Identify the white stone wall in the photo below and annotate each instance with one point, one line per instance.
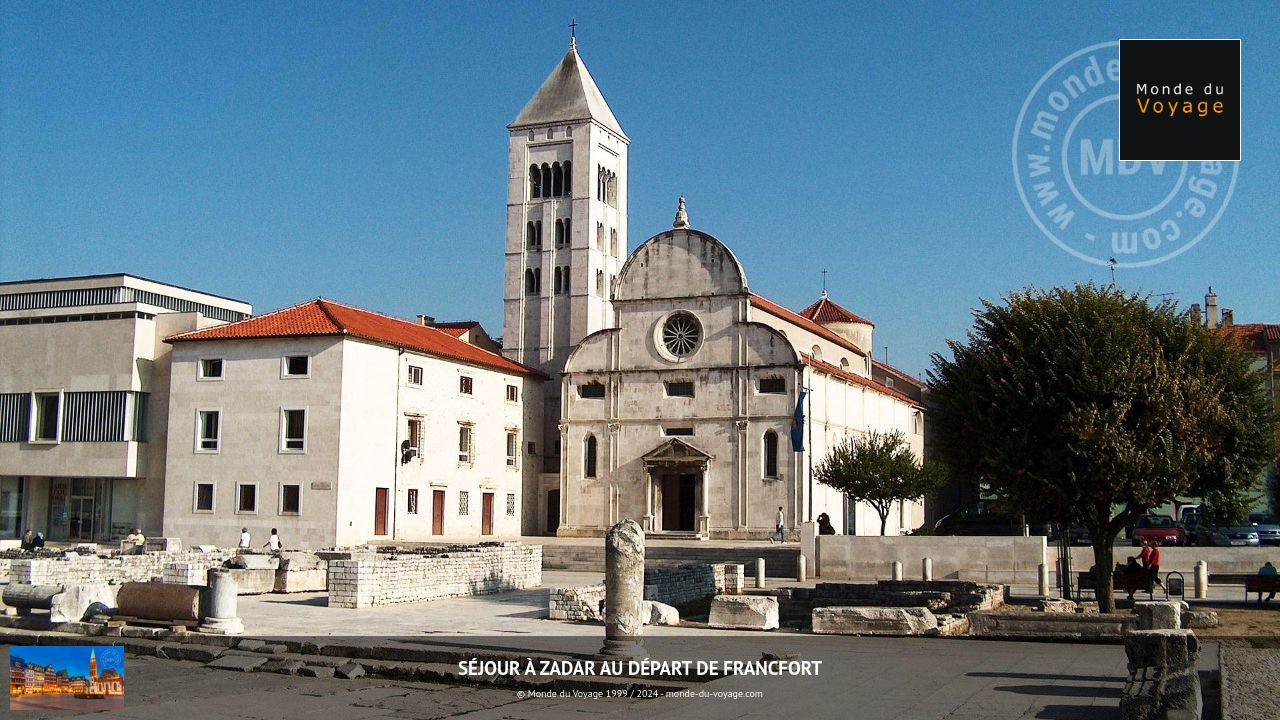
(387, 580)
(82, 569)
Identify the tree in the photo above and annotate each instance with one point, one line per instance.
(878, 469)
(1088, 406)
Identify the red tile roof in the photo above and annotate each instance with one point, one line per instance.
(901, 374)
(1253, 336)
(326, 317)
(456, 329)
(826, 367)
(825, 311)
(790, 316)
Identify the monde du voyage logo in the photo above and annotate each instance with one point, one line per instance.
(1107, 198)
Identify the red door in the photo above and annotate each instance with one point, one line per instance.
(437, 512)
(486, 514)
(380, 496)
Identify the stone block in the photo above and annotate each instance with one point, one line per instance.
(237, 662)
(874, 621)
(256, 581)
(299, 580)
(1199, 619)
(1169, 650)
(657, 613)
(316, 671)
(255, 562)
(744, 612)
(283, 666)
(349, 671)
(1054, 606)
(1158, 615)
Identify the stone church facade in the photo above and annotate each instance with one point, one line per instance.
(676, 388)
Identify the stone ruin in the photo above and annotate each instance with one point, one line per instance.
(897, 607)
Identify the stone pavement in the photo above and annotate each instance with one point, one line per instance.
(862, 678)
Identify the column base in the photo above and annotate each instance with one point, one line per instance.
(631, 649)
(222, 626)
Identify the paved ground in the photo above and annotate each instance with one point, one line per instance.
(863, 678)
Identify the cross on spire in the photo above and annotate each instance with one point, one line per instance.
(824, 282)
(573, 32)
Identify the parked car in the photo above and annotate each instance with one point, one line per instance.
(1268, 527)
(985, 518)
(1207, 534)
(1160, 529)
(1078, 535)
(1191, 521)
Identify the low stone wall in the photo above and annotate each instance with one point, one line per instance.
(936, 595)
(1005, 560)
(387, 579)
(84, 569)
(581, 603)
(1105, 627)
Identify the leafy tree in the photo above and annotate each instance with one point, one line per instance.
(1089, 406)
(878, 469)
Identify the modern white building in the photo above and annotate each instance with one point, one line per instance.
(84, 399)
(337, 426)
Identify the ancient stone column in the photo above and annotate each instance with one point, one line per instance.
(801, 575)
(624, 590)
(759, 572)
(1202, 580)
(926, 569)
(1042, 580)
(897, 570)
(222, 604)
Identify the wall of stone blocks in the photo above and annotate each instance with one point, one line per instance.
(581, 603)
(673, 586)
(389, 579)
(81, 569)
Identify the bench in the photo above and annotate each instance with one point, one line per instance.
(1120, 582)
(1261, 584)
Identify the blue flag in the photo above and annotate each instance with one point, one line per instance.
(797, 424)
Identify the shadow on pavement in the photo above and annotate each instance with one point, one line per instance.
(1046, 676)
(1061, 690)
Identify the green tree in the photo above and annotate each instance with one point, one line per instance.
(1089, 406)
(878, 469)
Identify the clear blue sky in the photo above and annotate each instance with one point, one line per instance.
(276, 152)
(72, 658)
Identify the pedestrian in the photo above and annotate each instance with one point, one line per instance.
(137, 542)
(1267, 569)
(246, 542)
(38, 542)
(1150, 557)
(273, 542)
(780, 531)
(29, 540)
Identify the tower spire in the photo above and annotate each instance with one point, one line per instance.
(682, 217)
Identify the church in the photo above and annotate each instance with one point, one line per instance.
(678, 397)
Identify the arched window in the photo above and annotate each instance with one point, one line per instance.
(535, 182)
(568, 239)
(568, 177)
(557, 282)
(557, 180)
(566, 279)
(532, 233)
(600, 236)
(546, 180)
(844, 363)
(559, 233)
(528, 282)
(613, 242)
(537, 226)
(816, 352)
(589, 457)
(770, 454)
(537, 281)
(600, 283)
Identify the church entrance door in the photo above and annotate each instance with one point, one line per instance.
(679, 502)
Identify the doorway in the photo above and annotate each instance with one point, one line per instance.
(486, 514)
(679, 502)
(380, 496)
(437, 512)
(553, 511)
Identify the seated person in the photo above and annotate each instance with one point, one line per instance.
(28, 541)
(1131, 570)
(1267, 570)
(135, 542)
(824, 525)
(39, 540)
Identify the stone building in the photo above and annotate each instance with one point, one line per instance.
(84, 400)
(682, 414)
(338, 425)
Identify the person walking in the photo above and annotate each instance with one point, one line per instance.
(780, 530)
(273, 542)
(1150, 558)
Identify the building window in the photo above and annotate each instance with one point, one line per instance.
(772, 385)
(464, 502)
(511, 504)
(613, 242)
(293, 431)
(566, 279)
(770, 454)
(411, 447)
(246, 497)
(513, 448)
(208, 430)
(592, 390)
(677, 431)
(210, 369)
(290, 499)
(415, 375)
(589, 457)
(600, 283)
(533, 448)
(465, 443)
(600, 237)
(465, 384)
(296, 366)
(888, 382)
(917, 423)
(681, 334)
(412, 507)
(204, 498)
(679, 388)
(556, 286)
(513, 393)
(46, 416)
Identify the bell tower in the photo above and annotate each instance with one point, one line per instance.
(566, 224)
